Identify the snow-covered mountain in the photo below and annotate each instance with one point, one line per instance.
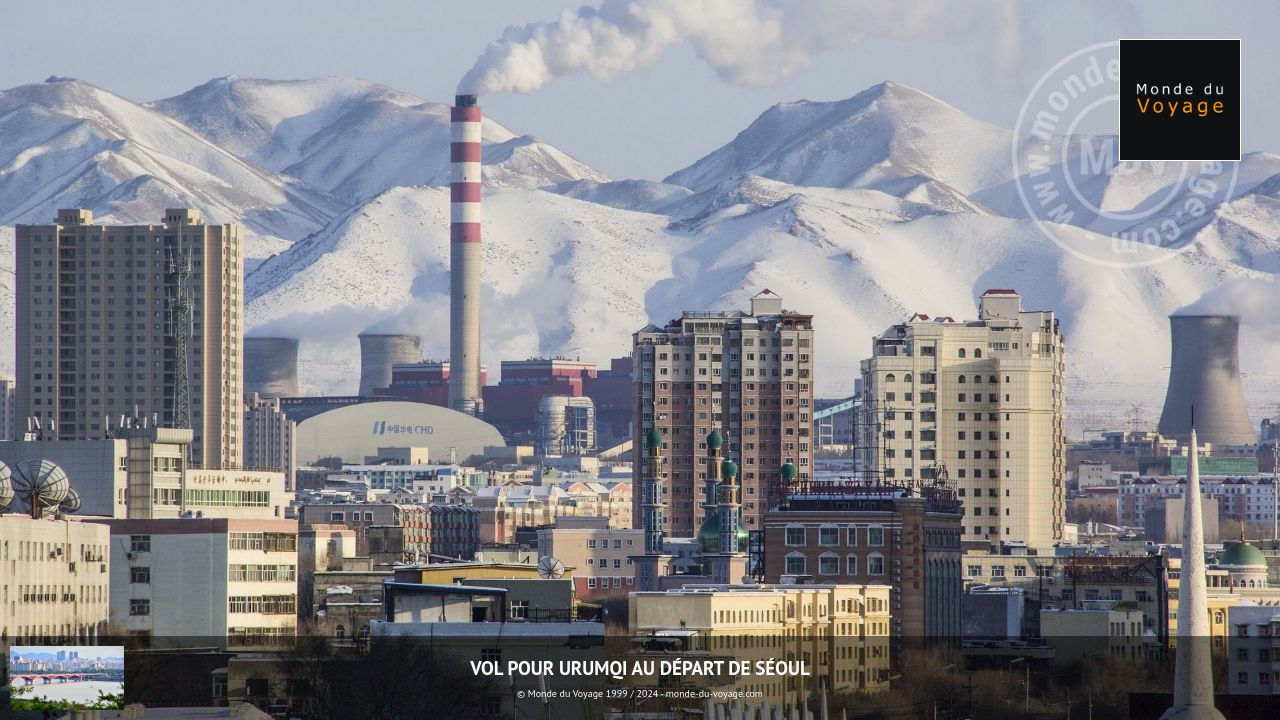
(356, 138)
(860, 211)
(66, 143)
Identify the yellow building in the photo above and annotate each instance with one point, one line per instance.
(839, 632)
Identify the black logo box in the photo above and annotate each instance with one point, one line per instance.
(1185, 65)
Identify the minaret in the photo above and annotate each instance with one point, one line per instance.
(715, 442)
(728, 507)
(653, 564)
(1193, 672)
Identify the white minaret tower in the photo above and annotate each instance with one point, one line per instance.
(1193, 672)
(464, 258)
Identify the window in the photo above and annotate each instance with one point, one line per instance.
(794, 564)
(875, 536)
(851, 564)
(1019, 571)
(139, 543)
(139, 574)
(1242, 631)
(591, 583)
(853, 536)
(140, 606)
(875, 564)
(519, 610)
(828, 535)
(975, 571)
(795, 536)
(829, 564)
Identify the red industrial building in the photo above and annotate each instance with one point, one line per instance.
(512, 404)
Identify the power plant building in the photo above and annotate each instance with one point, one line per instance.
(1204, 381)
(984, 400)
(747, 374)
(98, 315)
(271, 366)
(354, 432)
(379, 353)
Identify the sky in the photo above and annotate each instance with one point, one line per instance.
(645, 124)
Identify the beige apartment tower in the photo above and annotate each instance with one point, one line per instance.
(748, 375)
(983, 401)
(98, 328)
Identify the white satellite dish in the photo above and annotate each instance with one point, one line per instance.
(550, 568)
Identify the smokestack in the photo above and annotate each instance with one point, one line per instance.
(464, 258)
(271, 366)
(1205, 374)
(379, 352)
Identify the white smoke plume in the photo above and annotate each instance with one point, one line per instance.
(749, 42)
(1255, 300)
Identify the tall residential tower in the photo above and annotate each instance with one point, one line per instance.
(983, 399)
(97, 328)
(748, 375)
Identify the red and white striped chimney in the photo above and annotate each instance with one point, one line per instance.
(464, 258)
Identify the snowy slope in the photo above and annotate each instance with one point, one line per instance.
(356, 138)
(66, 143)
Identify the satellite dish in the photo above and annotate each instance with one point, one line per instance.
(550, 568)
(70, 503)
(6, 488)
(40, 486)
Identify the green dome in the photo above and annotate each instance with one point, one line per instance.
(1242, 554)
(715, 440)
(789, 470)
(728, 469)
(655, 438)
(709, 535)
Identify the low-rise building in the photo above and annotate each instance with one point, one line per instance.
(404, 532)
(840, 632)
(602, 558)
(230, 581)
(1253, 660)
(54, 580)
(1098, 629)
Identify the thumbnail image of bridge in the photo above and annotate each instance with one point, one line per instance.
(49, 678)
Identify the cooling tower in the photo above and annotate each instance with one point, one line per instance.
(379, 352)
(464, 257)
(271, 366)
(1205, 375)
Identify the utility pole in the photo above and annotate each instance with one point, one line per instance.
(1026, 700)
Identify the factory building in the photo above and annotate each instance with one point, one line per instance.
(747, 374)
(55, 584)
(984, 400)
(97, 307)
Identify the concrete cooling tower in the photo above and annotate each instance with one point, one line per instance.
(379, 352)
(1205, 375)
(271, 366)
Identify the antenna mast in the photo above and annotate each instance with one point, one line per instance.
(180, 328)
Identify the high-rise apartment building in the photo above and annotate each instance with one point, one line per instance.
(982, 400)
(8, 409)
(98, 330)
(747, 374)
(268, 437)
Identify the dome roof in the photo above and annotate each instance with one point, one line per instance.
(655, 438)
(728, 469)
(709, 535)
(1242, 554)
(715, 440)
(789, 470)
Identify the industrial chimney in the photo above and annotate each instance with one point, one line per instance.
(271, 366)
(1205, 375)
(379, 352)
(464, 258)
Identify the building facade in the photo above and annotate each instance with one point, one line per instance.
(9, 425)
(1253, 662)
(984, 400)
(55, 583)
(95, 334)
(911, 544)
(601, 558)
(268, 437)
(451, 531)
(747, 374)
(228, 581)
